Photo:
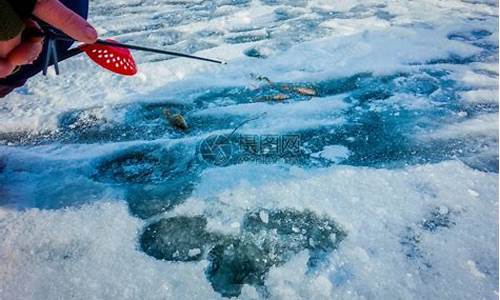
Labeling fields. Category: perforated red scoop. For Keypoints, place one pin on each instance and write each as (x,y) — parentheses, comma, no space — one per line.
(115,59)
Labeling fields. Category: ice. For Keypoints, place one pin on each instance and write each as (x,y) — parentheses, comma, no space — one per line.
(246,258)
(333,153)
(473,269)
(105,235)
(392,191)
(176,239)
(481,96)
(299,286)
(194,252)
(264,216)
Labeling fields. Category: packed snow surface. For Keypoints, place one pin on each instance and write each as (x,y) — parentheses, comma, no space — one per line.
(349,150)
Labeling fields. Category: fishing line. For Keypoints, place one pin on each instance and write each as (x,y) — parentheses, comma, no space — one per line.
(244,122)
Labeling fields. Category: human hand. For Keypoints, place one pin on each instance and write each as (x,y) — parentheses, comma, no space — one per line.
(20,51)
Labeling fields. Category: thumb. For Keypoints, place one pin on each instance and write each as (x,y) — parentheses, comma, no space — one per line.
(56,14)
(5,68)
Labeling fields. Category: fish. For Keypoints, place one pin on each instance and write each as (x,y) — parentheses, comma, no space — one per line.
(278,97)
(305,91)
(175,120)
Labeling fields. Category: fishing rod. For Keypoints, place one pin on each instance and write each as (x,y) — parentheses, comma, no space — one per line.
(153,50)
(109,54)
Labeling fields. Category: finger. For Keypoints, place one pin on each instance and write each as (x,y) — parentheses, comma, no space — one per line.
(25,53)
(56,14)
(6,68)
(32,32)
(7,46)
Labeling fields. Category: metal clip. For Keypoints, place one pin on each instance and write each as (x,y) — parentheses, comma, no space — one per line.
(51,57)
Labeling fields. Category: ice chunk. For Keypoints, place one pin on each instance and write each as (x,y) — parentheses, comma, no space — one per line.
(334,153)
(177,239)
(264,216)
(194,252)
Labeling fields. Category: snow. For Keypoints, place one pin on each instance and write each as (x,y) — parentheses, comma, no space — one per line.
(481,125)
(194,252)
(264,216)
(481,96)
(91,251)
(333,153)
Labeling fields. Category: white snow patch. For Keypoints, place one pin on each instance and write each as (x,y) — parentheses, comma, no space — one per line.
(480,96)
(480,125)
(334,153)
(87,253)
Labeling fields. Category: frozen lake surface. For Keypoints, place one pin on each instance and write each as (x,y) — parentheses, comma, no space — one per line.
(349,150)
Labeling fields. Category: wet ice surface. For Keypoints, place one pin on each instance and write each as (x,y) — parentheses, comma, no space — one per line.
(391,192)
(267,238)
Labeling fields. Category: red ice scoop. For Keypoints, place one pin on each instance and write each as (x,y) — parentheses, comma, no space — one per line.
(114,59)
